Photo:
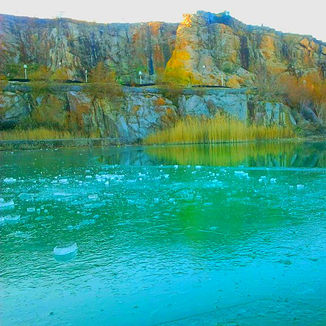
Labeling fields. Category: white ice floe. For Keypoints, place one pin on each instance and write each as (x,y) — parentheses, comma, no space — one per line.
(9,219)
(241,174)
(272,180)
(300,187)
(63,181)
(9,180)
(262,178)
(62,251)
(26,196)
(7,205)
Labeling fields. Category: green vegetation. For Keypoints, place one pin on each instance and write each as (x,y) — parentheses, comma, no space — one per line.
(103,84)
(221,128)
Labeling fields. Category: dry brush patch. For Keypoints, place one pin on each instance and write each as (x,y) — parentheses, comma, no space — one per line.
(221,128)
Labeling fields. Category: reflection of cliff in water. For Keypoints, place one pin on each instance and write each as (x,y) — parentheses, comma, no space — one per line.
(283,154)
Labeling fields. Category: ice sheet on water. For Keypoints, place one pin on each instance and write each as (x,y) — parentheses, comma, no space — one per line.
(65,250)
(63,194)
(241,174)
(9,180)
(82,224)
(7,205)
(9,219)
(65,253)
(262,178)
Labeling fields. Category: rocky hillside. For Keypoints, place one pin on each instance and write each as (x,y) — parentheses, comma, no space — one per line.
(205,48)
(138,113)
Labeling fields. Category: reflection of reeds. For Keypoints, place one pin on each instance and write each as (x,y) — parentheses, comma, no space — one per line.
(220,128)
(38,134)
(250,154)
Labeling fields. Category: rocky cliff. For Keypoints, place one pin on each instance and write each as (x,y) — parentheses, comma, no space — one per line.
(140,112)
(204,48)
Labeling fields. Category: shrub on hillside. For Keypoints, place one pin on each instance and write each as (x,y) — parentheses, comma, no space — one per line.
(103,84)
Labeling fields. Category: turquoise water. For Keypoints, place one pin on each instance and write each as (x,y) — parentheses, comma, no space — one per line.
(175,235)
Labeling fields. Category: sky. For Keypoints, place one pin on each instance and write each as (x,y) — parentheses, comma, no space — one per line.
(294,16)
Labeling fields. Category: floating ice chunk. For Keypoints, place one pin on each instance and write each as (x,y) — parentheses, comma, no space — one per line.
(176,166)
(9,219)
(93,196)
(88,177)
(241,174)
(300,187)
(65,253)
(26,196)
(60,251)
(166,176)
(272,180)
(63,181)
(262,178)
(7,205)
(9,180)
(198,167)
(64,194)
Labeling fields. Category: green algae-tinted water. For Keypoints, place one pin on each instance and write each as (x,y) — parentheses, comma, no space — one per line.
(175,235)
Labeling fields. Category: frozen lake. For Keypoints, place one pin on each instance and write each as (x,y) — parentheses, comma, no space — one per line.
(174,235)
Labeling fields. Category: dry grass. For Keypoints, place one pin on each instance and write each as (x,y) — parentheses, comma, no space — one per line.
(218,129)
(40,134)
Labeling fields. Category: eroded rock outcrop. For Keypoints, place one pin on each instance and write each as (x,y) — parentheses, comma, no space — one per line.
(204,48)
(140,112)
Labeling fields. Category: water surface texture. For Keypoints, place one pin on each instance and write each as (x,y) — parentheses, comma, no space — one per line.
(174,235)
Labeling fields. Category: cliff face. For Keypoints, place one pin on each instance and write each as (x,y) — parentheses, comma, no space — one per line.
(126,48)
(139,113)
(212,47)
(204,48)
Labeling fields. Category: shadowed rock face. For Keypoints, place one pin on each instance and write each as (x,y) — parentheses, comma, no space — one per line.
(202,48)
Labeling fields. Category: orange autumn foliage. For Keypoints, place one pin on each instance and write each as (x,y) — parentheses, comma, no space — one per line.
(308,89)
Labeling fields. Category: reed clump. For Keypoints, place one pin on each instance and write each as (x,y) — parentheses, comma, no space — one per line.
(221,128)
(41,134)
